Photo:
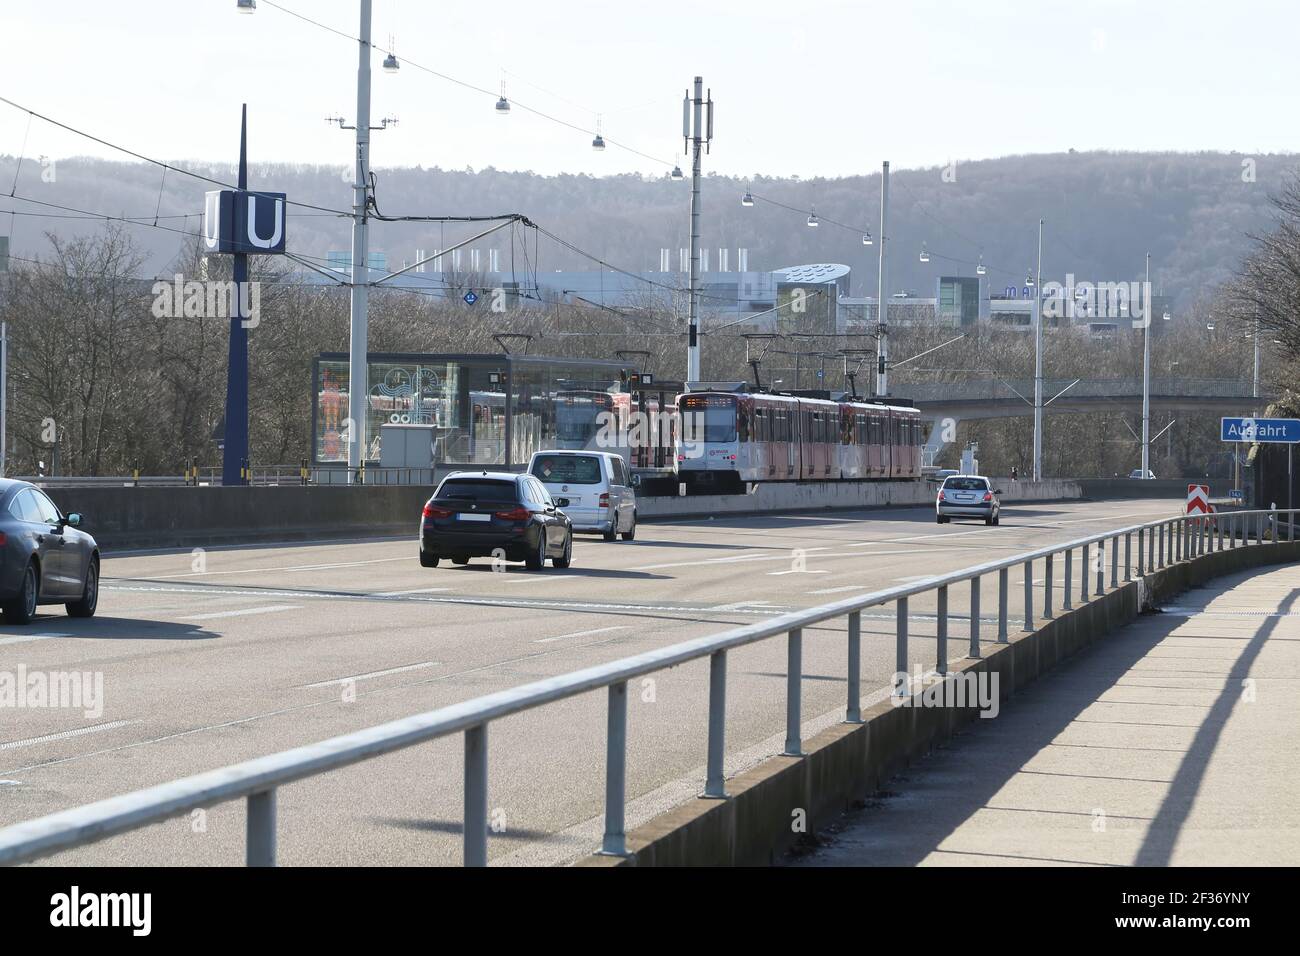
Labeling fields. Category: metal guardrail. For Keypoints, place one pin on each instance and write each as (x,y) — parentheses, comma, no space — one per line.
(261,476)
(1159,544)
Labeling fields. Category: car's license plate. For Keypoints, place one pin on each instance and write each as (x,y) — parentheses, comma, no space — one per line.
(473,517)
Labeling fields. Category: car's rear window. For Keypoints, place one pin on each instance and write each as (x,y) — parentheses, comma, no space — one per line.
(966,484)
(568,469)
(477,489)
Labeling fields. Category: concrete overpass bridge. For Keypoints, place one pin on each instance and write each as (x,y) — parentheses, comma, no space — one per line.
(1010,398)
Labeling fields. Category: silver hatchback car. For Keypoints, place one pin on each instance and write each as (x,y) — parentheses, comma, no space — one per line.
(967,496)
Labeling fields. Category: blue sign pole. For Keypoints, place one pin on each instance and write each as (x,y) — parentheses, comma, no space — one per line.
(235,455)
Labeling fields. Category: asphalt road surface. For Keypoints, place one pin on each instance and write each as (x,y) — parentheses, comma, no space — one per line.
(208,658)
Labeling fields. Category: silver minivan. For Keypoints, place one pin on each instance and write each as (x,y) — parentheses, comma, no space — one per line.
(596,489)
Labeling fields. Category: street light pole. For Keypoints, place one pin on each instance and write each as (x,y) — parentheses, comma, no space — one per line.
(1146,374)
(1038,360)
(882,321)
(696,137)
(359,325)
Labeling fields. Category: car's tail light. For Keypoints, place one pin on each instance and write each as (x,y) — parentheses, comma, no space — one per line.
(433,511)
(988,496)
(3,539)
(604,500)
(941,496)
(517,513)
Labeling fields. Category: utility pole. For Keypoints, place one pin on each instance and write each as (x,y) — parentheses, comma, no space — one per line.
(1038,360)
(882,320)
(1146,373)
(695,134)
(359,325)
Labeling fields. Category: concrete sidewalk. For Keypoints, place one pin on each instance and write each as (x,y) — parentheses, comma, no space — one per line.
(1176,741)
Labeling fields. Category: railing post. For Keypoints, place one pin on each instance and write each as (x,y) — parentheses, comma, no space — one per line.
(1085,567)
(1047,587)
(1004,599)
(1128,554)
(1142,551)
(476,809)
(260,829)
(1067,601)
(1029,595)
(853,709)
(793,683)
(615,842)
(900,647)
(1162,545)
(941,657)
(1114,561)
(975,616)
(714,785)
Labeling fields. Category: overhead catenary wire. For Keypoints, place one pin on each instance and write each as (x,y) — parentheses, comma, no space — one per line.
(406,60)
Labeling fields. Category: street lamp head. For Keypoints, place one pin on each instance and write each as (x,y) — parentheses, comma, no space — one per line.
(246,6)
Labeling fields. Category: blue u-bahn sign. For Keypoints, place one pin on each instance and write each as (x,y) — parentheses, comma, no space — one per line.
(1280,431)
(240,221)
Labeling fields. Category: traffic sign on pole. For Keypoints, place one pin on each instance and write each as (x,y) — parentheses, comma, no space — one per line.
(1280,431)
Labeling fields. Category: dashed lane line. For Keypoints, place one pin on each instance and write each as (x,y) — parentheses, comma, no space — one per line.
(339,681)
(64,735)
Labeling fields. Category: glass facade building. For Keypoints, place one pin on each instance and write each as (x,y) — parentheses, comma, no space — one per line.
(483,409)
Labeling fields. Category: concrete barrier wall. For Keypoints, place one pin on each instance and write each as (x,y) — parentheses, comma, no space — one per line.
(1110,489)
(123,518)
(752,826)
(825,495)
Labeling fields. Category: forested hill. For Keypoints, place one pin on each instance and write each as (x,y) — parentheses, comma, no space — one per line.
(1102,212)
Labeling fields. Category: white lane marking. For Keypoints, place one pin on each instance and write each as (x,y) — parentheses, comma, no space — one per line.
(777,574)
(10,783)
(266,609)
(847,587)
(292,567)
(594,630)
(782,555)
(474,601)
(392,670)
(32,741)
(750,606)
(408,591)
(21,638)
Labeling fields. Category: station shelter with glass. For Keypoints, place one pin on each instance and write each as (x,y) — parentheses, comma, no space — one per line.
(479,410)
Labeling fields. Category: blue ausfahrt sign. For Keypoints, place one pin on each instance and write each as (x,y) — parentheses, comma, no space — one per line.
(1281,431)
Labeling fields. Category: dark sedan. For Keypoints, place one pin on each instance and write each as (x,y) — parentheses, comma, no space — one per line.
(495,514)
(44,558)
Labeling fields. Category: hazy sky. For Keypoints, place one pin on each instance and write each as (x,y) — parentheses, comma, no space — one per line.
(819,87)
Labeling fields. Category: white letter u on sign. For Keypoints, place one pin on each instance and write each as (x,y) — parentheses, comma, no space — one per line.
(253,237)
